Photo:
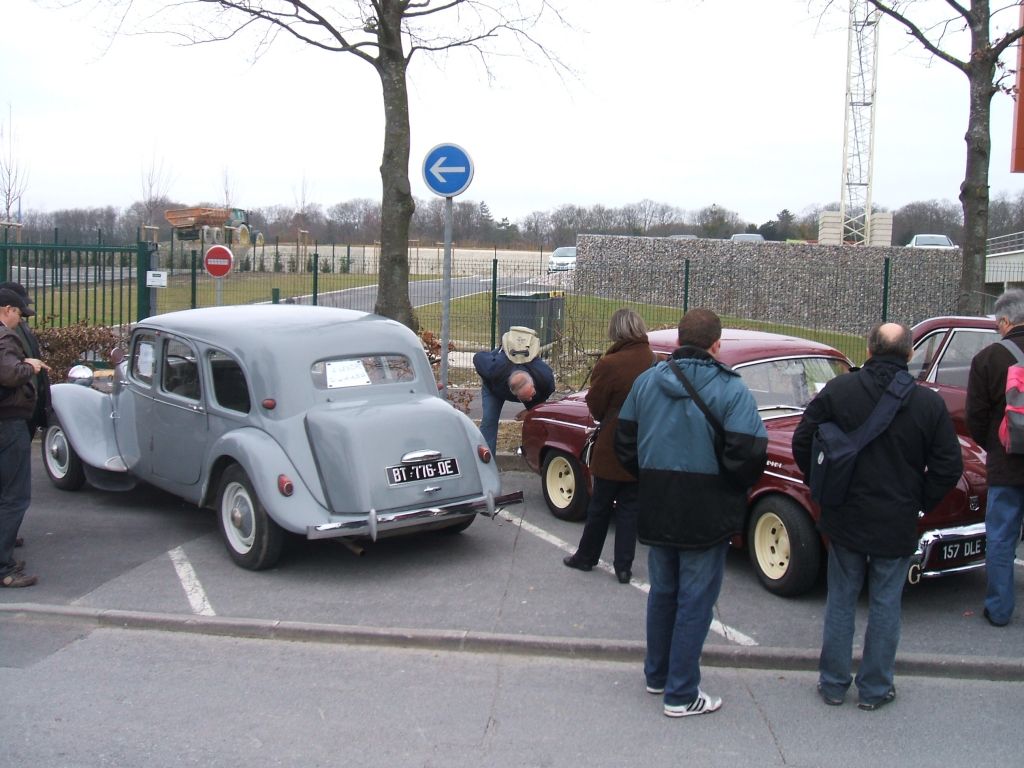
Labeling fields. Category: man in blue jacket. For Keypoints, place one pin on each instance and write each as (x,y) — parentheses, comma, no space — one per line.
(510,373)
(693,498)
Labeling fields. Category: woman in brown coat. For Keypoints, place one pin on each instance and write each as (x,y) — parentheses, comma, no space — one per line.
(615,489)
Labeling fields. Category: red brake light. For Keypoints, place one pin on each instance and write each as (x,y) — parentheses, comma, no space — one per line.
(484,453)
(285,485)
(269,403)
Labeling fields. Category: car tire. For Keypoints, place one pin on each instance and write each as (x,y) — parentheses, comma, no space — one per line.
(784,546)
(252,539)
(565,486)
(62,463)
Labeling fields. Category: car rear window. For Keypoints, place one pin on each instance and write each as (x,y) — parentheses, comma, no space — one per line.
(362,371)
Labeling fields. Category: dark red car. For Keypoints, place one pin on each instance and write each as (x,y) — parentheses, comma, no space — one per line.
(943,348)
(783,373)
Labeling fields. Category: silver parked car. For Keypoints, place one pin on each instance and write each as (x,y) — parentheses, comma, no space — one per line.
(562,259)
(941,242)
(317,421)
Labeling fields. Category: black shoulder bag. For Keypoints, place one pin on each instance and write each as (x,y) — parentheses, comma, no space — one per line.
(712,419)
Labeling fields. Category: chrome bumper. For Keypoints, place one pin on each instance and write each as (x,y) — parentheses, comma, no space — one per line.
(941,537)
(374,524)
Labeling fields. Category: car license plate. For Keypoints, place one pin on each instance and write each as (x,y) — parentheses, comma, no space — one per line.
(422,470)
(964,549)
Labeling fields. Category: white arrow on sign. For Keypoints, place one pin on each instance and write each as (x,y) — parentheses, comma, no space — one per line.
(439,169)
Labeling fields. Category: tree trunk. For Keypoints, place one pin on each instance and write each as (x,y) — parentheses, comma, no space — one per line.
(397,204)
(974,190)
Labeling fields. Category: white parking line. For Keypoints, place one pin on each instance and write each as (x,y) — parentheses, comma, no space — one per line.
(733,635)
(190,583)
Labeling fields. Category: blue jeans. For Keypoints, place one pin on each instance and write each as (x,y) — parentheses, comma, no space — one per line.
(15,486)
(684,588)
(602,506)
(491,405)
(846,575)
(1003,516)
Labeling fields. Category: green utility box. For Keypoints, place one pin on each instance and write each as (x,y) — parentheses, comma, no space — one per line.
(543,311)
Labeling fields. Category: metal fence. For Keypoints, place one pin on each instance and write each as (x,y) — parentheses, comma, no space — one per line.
(92,284)
(491,290)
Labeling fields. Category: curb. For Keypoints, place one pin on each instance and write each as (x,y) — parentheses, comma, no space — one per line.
(794,659)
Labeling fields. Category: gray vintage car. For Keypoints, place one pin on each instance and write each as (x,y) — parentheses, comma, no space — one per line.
(317,421)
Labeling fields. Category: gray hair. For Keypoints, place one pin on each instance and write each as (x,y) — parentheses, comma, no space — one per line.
(890,339)
(517,380)
(626,325)
(1011,306)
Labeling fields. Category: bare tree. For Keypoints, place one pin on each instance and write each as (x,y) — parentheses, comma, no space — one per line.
(13,175)
(383,34)
(228,188)
(985,75)
(155,184)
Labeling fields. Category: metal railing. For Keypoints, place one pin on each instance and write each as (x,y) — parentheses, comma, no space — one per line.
(1010,243)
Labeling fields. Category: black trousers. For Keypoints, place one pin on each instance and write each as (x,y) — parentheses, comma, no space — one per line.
(611,497)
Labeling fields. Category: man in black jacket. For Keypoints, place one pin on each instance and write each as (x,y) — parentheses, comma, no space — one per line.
(31,344)
(986,403)
(18,374)
(873,533)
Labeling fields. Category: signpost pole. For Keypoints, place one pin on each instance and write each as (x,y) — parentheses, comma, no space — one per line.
(446,294)
(447,171)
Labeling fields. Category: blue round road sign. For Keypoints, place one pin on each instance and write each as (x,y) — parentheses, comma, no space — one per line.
(448,170)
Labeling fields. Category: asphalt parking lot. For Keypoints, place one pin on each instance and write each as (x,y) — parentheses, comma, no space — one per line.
(146,551)
(144,645)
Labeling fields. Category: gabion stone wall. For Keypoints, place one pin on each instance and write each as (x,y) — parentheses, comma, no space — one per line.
(813,286)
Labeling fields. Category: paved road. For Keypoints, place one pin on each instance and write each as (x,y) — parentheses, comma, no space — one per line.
(113,697)
(422,292)
(83,694)
(129,551)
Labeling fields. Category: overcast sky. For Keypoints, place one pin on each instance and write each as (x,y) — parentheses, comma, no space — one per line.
(734,102)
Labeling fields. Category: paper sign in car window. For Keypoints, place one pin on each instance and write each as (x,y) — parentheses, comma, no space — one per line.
(146,360)
(346,373)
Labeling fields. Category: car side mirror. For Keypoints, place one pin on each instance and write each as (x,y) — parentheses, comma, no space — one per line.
(116,356)
(80,374)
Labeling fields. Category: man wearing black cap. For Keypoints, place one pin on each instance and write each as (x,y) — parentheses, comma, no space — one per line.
(18,374)
(31,344)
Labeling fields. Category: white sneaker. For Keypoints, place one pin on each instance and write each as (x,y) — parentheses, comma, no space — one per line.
(655,689)
(702,705)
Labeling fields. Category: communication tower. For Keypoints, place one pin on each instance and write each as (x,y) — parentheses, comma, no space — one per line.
(859,133)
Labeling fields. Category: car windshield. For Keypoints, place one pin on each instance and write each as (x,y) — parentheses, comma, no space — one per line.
(791,382)
(565,252)
(933,240)
(364,371)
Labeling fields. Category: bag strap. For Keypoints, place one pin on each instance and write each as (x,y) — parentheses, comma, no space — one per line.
(889,403)
(1014,350)
(692,392)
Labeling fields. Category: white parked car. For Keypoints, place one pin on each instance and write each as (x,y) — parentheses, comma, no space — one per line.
(931,241)
(747,237)
(562,259)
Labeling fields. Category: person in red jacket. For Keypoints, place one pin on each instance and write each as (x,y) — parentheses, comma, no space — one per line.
(615,489)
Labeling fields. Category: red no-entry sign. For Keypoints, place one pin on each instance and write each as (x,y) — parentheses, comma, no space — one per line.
(218,260)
